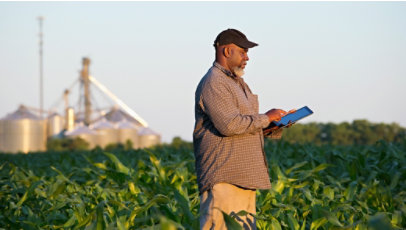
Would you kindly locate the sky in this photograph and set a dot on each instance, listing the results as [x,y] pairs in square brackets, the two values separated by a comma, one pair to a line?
[344,60]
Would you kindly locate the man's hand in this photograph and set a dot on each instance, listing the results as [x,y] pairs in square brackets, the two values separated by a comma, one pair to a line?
[269,131]
[275,114]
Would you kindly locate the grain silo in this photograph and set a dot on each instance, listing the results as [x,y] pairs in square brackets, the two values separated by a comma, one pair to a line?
[55,124]
[69,118]
[107,132]
[148,138]
[117,115]
[128,131]
[82,131]
[23,131]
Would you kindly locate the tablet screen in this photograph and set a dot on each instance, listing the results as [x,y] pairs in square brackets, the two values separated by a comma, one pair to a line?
[293,117]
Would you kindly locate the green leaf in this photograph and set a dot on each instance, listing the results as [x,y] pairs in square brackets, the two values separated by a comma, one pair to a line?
[397,218]
[70,222]
[156,200]
[318,223]
[395,180]
[28,192]
[307,194]
[334,220]
[60,173]
[275,225]
[243,213]
[117,163]
[120,225]
[184,205]
[133,189]
[100,224]
[361,226]
[328,192]
[350,192]
[296,166]
[320,167]
[100,165]
[167,224]
[280,185]
[301,185]
[292,222]
[58,205]
[230,222]
[154,160]
[303,225]
[84,221]
[59,187]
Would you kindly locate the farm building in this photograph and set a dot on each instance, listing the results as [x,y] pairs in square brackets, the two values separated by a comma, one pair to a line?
[25,130]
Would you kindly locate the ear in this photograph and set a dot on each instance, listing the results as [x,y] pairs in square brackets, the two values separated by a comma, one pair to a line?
[226,51]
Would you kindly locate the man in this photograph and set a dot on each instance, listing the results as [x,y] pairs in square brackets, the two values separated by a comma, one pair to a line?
[228,137]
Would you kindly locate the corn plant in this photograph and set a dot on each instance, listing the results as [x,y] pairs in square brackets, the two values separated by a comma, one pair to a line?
[313,187]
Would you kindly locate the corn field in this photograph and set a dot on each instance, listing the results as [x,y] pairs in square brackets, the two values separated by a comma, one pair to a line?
[313,187]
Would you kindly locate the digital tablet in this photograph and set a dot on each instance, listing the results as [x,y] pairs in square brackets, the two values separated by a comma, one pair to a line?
[293,117]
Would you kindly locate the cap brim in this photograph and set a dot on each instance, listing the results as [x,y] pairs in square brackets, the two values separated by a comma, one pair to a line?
[247,44]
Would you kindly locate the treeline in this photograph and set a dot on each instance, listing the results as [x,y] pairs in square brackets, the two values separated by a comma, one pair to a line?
[360,132]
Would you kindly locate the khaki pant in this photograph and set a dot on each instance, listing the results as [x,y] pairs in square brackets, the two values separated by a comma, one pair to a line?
[231,199]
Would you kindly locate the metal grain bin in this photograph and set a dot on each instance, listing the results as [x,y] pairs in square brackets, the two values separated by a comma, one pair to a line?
[117,115]
[107,132]
[128,131]
[85,133]
[148,138]
[55,124]
[22,131]
[69,119]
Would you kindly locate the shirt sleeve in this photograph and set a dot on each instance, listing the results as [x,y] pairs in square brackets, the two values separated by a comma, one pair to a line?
[219,104]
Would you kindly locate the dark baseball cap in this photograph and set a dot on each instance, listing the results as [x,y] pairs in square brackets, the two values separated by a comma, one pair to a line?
[233,36]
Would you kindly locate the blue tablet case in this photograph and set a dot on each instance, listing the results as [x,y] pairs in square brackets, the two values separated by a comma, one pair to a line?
[293,117]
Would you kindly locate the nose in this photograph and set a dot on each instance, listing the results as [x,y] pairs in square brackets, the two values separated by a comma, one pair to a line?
[246,57]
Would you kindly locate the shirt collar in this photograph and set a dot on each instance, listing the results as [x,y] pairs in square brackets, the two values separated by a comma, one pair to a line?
[226,72]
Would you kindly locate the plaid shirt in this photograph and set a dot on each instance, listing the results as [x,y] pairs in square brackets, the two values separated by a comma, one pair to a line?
[228,139]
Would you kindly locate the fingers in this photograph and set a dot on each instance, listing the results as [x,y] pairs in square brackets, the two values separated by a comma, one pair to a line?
[290,124]
[278,117]
[283,113]
[266,132]
[269,130]
[273,115]
[277,114]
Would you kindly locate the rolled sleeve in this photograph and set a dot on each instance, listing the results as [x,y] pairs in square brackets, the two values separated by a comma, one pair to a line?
[264,120]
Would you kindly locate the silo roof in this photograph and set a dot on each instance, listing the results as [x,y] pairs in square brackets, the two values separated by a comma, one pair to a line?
[81,129]
[117,115]
[54,115]
[125,124]
[147,131]
[21,113]
[103,124]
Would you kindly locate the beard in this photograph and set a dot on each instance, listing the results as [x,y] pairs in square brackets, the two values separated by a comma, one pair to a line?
[238,71]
